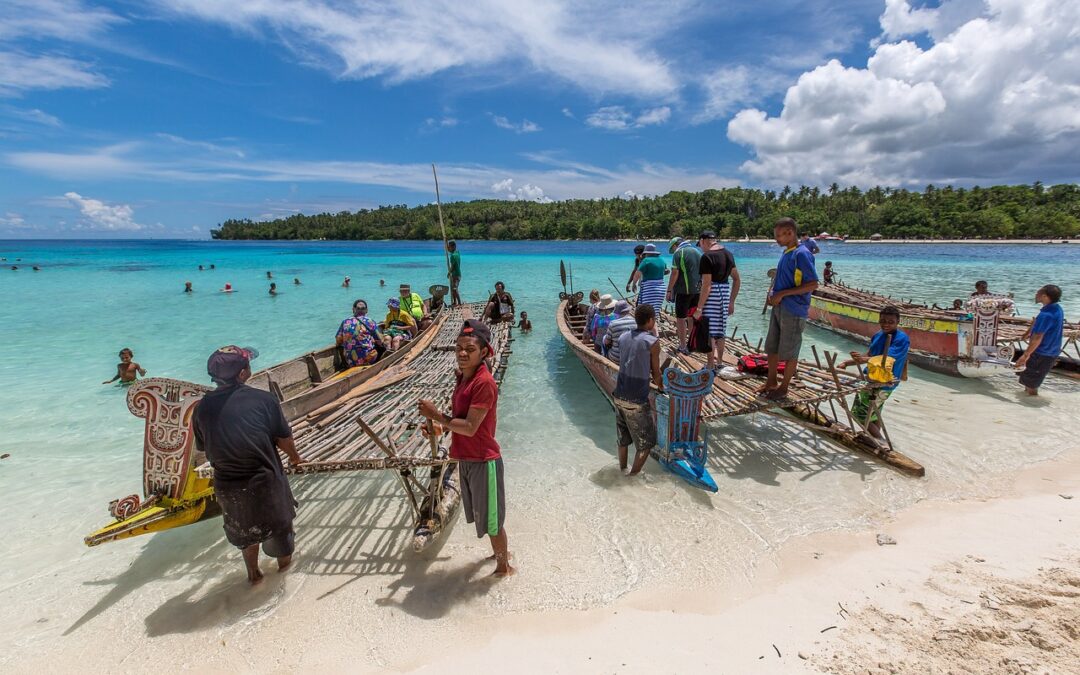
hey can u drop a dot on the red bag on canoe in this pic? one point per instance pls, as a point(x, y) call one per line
point(698, 341)
point(757, 364)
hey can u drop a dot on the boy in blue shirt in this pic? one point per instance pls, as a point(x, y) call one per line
point(795, 280)
point(869, 402)
point(1044, 340)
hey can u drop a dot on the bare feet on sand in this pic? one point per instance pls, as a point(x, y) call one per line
point(504, 571)
point(255, 576)
point(283, 563)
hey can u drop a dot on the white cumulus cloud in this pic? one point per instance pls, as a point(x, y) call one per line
point(523, 127)
point(533, 193)
point(618, 118)
point(97, 215)
point(996, 97)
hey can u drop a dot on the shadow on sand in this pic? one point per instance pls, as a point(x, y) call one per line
point(348, 525)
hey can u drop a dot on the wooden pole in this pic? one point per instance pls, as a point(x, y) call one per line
point(438, 205)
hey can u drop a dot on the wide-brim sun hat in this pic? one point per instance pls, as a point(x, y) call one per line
point(650, 249)
point(674, 244)
point(622, 308)
point(606, 302)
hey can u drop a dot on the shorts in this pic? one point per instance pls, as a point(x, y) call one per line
point(454, 281)
point(860, 409)
point(483, 496)
point(785, 333)
point(683, 303)
point(635, 425)
point(258, 511)
point(1038, 366)
point(716, 310)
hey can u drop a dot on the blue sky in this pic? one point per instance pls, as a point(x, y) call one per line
point(163, 118)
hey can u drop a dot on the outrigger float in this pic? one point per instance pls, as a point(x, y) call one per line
point(976, 341)
point(361, 419)
point(817, 400)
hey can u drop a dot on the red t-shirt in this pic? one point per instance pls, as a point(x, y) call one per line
point(481, 392)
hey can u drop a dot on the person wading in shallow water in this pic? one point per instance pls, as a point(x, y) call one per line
point(472, 424)
point(241, 429)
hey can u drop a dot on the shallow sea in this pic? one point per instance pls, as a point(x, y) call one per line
point(582, 534)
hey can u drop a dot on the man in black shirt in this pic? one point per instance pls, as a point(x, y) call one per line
point(241, 429)
point(719, 287)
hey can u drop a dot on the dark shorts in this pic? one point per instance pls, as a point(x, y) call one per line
point(635, 425)
point(1038, 366)
point(683, 303)
point(259, 511)
point(785, 334)
point(454, 281)
point(483, 496)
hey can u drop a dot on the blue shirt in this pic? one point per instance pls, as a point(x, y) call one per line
point(1050, 323)
point(795, 268)
point(811, 245)
point(898, 351)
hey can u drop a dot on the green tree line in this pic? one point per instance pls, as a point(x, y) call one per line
point(1001, 211)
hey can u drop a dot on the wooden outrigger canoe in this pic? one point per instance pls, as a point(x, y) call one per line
point(975, 342)
point(353, 420)
point(817, 401)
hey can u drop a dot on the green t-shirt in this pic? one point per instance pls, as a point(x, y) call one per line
point(414, 305)
point(688, 261)
point(652, 267)
point(455, 264)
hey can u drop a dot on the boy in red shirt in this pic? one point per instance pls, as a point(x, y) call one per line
point(473, 446)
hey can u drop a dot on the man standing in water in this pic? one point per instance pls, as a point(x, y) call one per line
point(639, 363)
point(471, 422)
point(1044, 340)
point(455, 272)
point(241, 429)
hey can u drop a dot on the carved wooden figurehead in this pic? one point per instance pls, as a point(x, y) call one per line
point(686, 391)
point(166, 405)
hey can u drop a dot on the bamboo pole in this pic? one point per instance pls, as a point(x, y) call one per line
point(438, 206)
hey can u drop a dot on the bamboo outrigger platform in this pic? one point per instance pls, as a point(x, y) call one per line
point(817, 400)
point(370, 424)
point(975, 341)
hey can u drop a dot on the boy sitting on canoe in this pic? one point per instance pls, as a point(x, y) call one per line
point(471, 422)
point(869, 402)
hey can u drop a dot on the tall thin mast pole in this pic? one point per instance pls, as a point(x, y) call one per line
point(438, 204)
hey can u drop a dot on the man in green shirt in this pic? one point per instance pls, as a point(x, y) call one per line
point(684, 284)
point(455, 272)
point(412, 303)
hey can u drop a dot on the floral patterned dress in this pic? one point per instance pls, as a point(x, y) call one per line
point(359, 335)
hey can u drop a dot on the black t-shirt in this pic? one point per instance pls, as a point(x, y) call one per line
point(236, 428)
point(719, 264)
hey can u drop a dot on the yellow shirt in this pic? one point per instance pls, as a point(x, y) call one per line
point(396, 315)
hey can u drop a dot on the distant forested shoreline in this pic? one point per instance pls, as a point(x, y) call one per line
point(1001, 211)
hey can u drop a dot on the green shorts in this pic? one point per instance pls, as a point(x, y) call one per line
point(863, 400)
point(483, 496)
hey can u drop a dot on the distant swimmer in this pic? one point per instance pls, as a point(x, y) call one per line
point(345, 284)
point(127, 370)
point(187, 287)
point(14, 267)
point(36, 268)
point(382, 282)
point(296, 281)
point(273, 288)
point(269, 275)
point(212, 266)
point(525, 325)
point(200, 268)
point(228, 288)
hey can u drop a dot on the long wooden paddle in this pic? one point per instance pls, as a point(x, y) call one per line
point(562, 275)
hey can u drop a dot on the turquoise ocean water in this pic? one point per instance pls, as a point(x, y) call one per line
point(74, 446)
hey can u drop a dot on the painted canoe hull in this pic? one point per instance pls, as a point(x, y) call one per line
point(935, 343)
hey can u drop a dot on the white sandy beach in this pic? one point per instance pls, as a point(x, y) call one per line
point(650, 574)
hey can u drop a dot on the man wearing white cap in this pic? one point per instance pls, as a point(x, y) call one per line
point(651, 273)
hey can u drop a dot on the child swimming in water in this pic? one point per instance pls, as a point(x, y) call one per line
point(273, 288)
point(525, 325)
point(127, 369)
